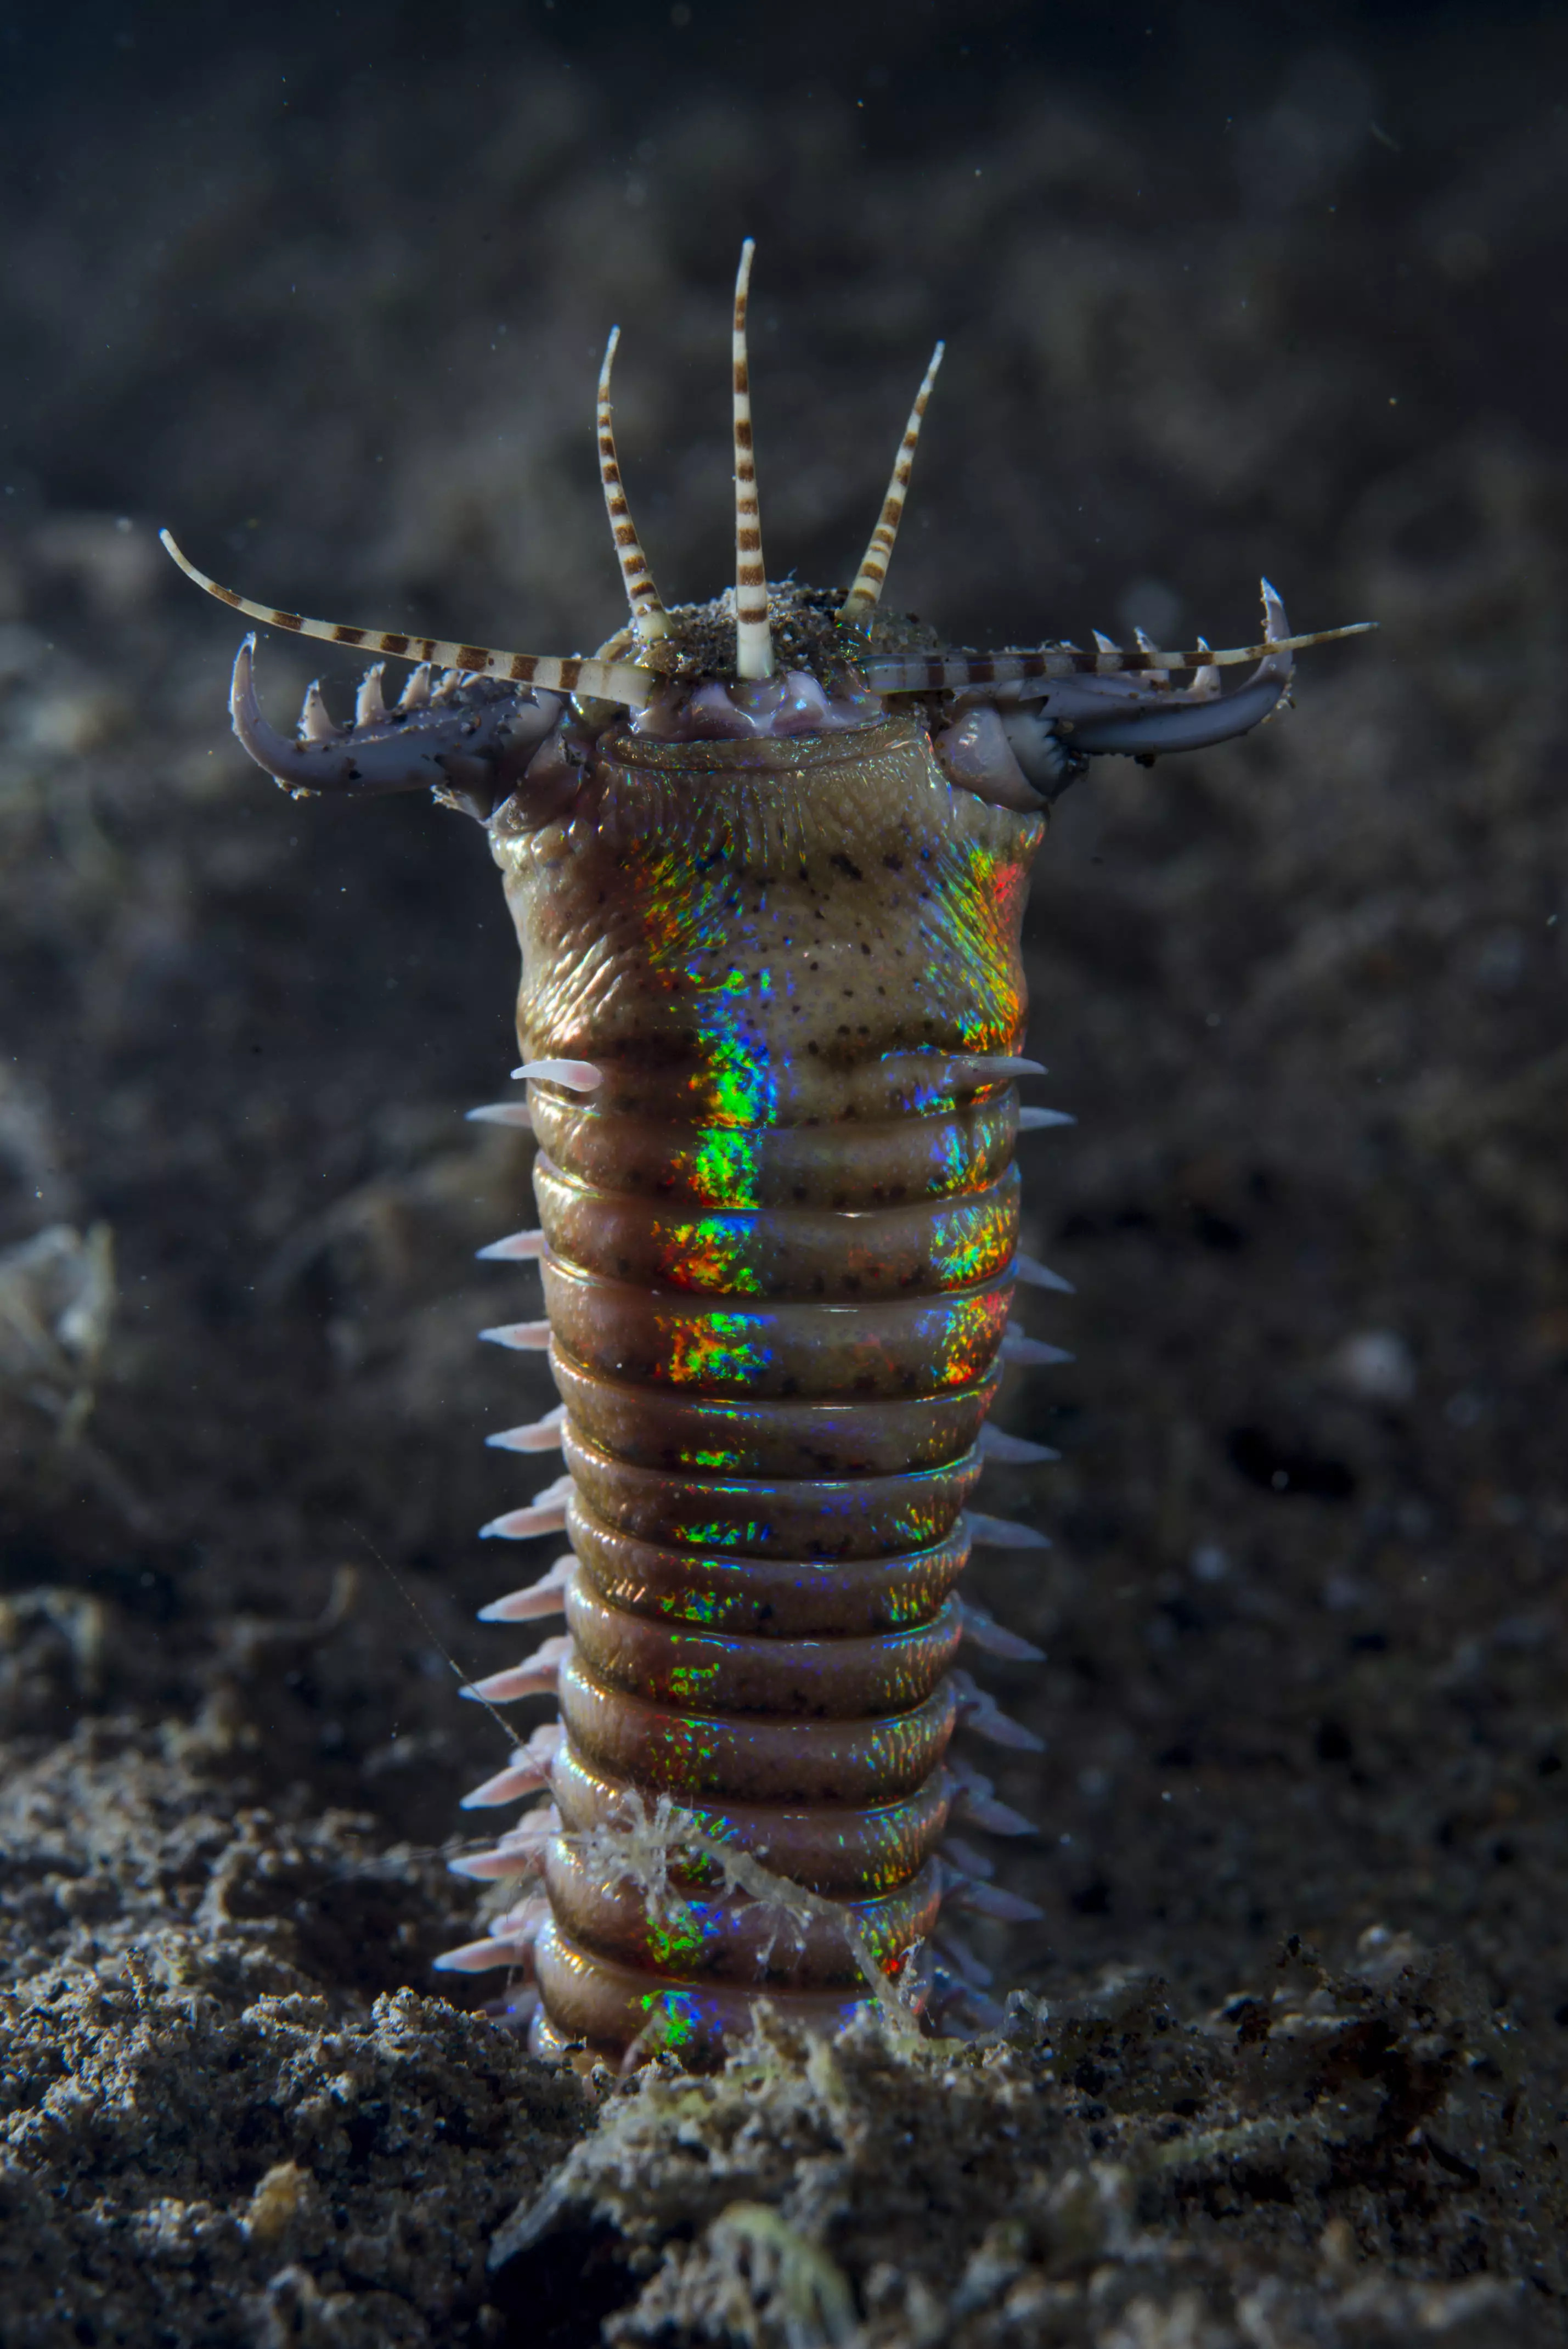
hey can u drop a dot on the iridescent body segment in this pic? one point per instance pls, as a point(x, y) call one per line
point(778, 1240)
point(767, 859)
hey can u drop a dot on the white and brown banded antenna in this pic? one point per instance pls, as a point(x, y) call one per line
point(864, 595)
point(963, 672)
point(649, 614)
point(620, 681)
point(753, 638)
point(1014, 677)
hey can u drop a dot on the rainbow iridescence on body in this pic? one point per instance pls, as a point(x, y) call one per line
point(778, 1247)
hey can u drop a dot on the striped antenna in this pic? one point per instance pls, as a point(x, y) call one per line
point(863, 597)
point(753, 642)
point(620, 681)
point(960, 672)
point(648, 612)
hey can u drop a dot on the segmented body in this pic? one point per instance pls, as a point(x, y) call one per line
point(779, 1267)
point(768, 885)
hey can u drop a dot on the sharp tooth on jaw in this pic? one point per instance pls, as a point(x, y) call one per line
point(538, 1436)
point(316, 720)
point(1157, 681)
point(1276, 624)
point(369, 707)
point(1030, 1121)
point(415, 694)
point(1040, 1276)
point(516, 1248)
point(1205, 682)
point(545, 1596)
point(1105, 644)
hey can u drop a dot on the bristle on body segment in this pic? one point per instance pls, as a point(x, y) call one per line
point(648, 616)
point(577, 1076)
point(753, 638)
point(617, 681)
point(866, 593)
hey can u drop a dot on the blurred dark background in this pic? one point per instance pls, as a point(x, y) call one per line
point(1223, 292)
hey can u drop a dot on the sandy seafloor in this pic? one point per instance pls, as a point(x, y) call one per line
point(1222, 293)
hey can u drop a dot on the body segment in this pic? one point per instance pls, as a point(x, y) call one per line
point(776, 1345)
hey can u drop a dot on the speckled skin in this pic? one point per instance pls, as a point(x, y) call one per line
point(778, 1245)
point(837, 884)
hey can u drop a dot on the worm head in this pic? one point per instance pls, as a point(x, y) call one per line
point(487, 729)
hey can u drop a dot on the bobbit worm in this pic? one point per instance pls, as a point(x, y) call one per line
point(768, 859)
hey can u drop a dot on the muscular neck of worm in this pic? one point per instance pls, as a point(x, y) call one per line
point(779, 1238)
